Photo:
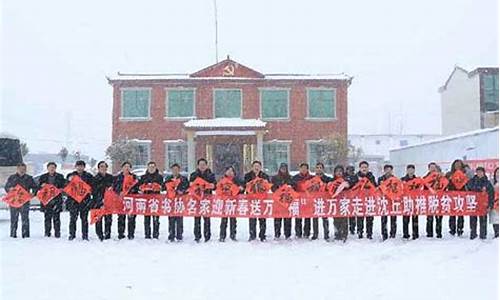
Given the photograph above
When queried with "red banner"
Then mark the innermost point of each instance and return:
(286, 203)
(77, 189)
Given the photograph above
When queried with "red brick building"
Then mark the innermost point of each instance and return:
(229, 114)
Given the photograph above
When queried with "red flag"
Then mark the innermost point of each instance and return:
(392, 188)
(77, 189)
(112, 201)
(226, 188)
(198, 187)
(97, 214)
(258, 187)
(47, 193)
(333, 186)
(171, 187)
(150, 187)
(285, 195)
(128, 183)
(17, 196)
(459, 179)
(314, 184)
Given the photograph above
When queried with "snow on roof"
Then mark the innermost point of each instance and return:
(6, 135)
(224, 122)
(449, 137)
(138, 76)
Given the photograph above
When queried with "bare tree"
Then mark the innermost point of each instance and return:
(335, 150)
(122, 150)
(63, 154)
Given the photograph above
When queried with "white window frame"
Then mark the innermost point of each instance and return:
(281, 142)
(122, 118)
(227, 89)
(167, 90)
(173, 142)
(309, 118)
(287, 118)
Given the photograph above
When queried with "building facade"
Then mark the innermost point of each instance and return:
(469, 100)
(228, 114)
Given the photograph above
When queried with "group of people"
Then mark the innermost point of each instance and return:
(304, 227)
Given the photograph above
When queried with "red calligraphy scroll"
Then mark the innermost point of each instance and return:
(17, 196)
(47, 193)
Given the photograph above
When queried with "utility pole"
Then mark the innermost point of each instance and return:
(216, 34)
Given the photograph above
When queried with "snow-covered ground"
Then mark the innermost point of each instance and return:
(46, 268)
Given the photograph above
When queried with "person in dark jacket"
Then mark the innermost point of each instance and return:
(456, 224)
(230, 173)
(175, 224)
(392, 234)
(494, 209)
(52, 210)
(28, 183)
(119, 189)
(283, 177)
(254, 173)
(206, 174)
(79, 209)
(320, 172)
(433, 168)
(364, 172)
(151, 183)
(341, 224)
(480, 183)
(410, 175)
(102, 181)
(299, 181)
(353, 178)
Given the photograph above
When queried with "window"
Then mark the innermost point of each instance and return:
(403, 143)
(321, 103)
(490, 92)
(275, 153)
(176, 152)
(180, 103)
(227, 104)
(274, 104)
(135, 103)
(320, 152)
(142, 156)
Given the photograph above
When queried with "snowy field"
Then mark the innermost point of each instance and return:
(46, 268)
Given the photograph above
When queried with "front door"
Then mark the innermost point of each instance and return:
(226, 155)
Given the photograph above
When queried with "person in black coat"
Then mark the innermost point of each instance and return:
(299, 181)
(231, 174)
(118, 188)
(283, 177)
(175, 224)
(102, 181)
(206, 174)
(364, 172)
(353, 178)
(254, 173)
(320, 172)
(151, 176)
(28, 183)
(456, 224)
(79, 209)
(480, 183)
(429, 226)
(340, 224)
(392, 234)
(52, 210)
(410, 175)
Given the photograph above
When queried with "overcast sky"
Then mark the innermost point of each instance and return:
(56, 54)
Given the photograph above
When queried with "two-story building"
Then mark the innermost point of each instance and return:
(229, 114)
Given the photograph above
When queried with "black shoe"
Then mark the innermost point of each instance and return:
(406, 237)
(439, 236)
(232, 237)
(47, 234)
(314, 237)
(71, 237)
(360, 235)
(384, 237)
(392, 236)
(222, 240)
(369, 237)
(429, 235)
(197, 240)
(147, 237)
(130, 237)
(473, 236)
(262, 239)
(13, 236)
(121, 236)
(57, 235)
(252, 238)
(415, 237)
(107, 237)
(85, 238)
(460, 232)
(452, 232)
(207, 239)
